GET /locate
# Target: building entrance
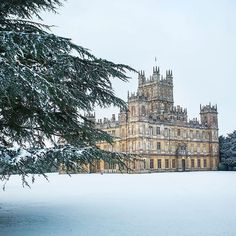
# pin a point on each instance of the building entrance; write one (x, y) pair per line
(183, 165)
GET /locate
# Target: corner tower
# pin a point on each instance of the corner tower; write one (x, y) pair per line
(209, 116)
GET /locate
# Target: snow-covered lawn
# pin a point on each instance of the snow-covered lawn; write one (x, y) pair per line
(176, 204)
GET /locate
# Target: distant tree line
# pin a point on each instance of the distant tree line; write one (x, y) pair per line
(228, 152)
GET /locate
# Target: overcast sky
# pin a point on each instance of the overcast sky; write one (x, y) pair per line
(194, 38)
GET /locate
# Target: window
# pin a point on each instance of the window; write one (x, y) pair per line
(151, 145)
(166, 164)
(159, 163)
(199, 163)
(178, 132)
(123, 147)
(204, 148)
(158, 131)
(203, 135)
(133, 145)
(134, 165)
(192, 148)
(143, 111)
(151, 163)
(205, 163)
(113, 132)
(166, 132)
(173, 149)
(139, 144)
(150, 130)
(133, 129)
(191, 134)
(214, 119)
(133, 111)
(166, 147)
(198, 148)
(123, 132)
(197, 135)
(158, 146)
(173, 163)
(192, 163)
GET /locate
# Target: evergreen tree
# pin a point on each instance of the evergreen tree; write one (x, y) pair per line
(228, 150)
(47, 84)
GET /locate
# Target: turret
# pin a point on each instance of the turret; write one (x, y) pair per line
(209, 115)
(169, 76)
(141, 77)
(156, 73)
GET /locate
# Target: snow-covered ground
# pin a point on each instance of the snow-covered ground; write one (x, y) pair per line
(176, 204)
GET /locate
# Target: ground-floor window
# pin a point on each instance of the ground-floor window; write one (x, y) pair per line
(173, 163)
(205, 163)
(199, 163)
(134, 165)
(159, 163)
(167, 164)
(151, 163)
(192, 163)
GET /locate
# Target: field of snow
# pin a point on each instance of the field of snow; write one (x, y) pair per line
(176, 204)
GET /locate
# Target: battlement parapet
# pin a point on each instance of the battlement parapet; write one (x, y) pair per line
(208, 108)
(178, 110)
(156, 77)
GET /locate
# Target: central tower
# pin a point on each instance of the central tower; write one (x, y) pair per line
(154, 95)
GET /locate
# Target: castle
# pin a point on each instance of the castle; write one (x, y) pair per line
(160, 132)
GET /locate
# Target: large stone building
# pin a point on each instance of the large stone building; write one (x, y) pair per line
(160, 132)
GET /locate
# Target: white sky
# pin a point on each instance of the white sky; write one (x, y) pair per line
(196, 39)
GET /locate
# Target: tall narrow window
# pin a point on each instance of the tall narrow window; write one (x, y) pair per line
(192, 163)
(150, 130)
(205, 163)
(199, 163)
(132, 129)
(133, 145)
(143, 111)
(178, 132)
(133, 111)
(173, 163)
(123, 132)
(166, 164)
(151, 163)
(166, 132)
(191, 134)
(158, 146)
(197, 134)
(159, 163)
(158, 131)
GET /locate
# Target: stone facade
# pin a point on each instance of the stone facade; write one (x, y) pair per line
(160, 132)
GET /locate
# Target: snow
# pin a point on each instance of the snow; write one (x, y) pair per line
(193, 203)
